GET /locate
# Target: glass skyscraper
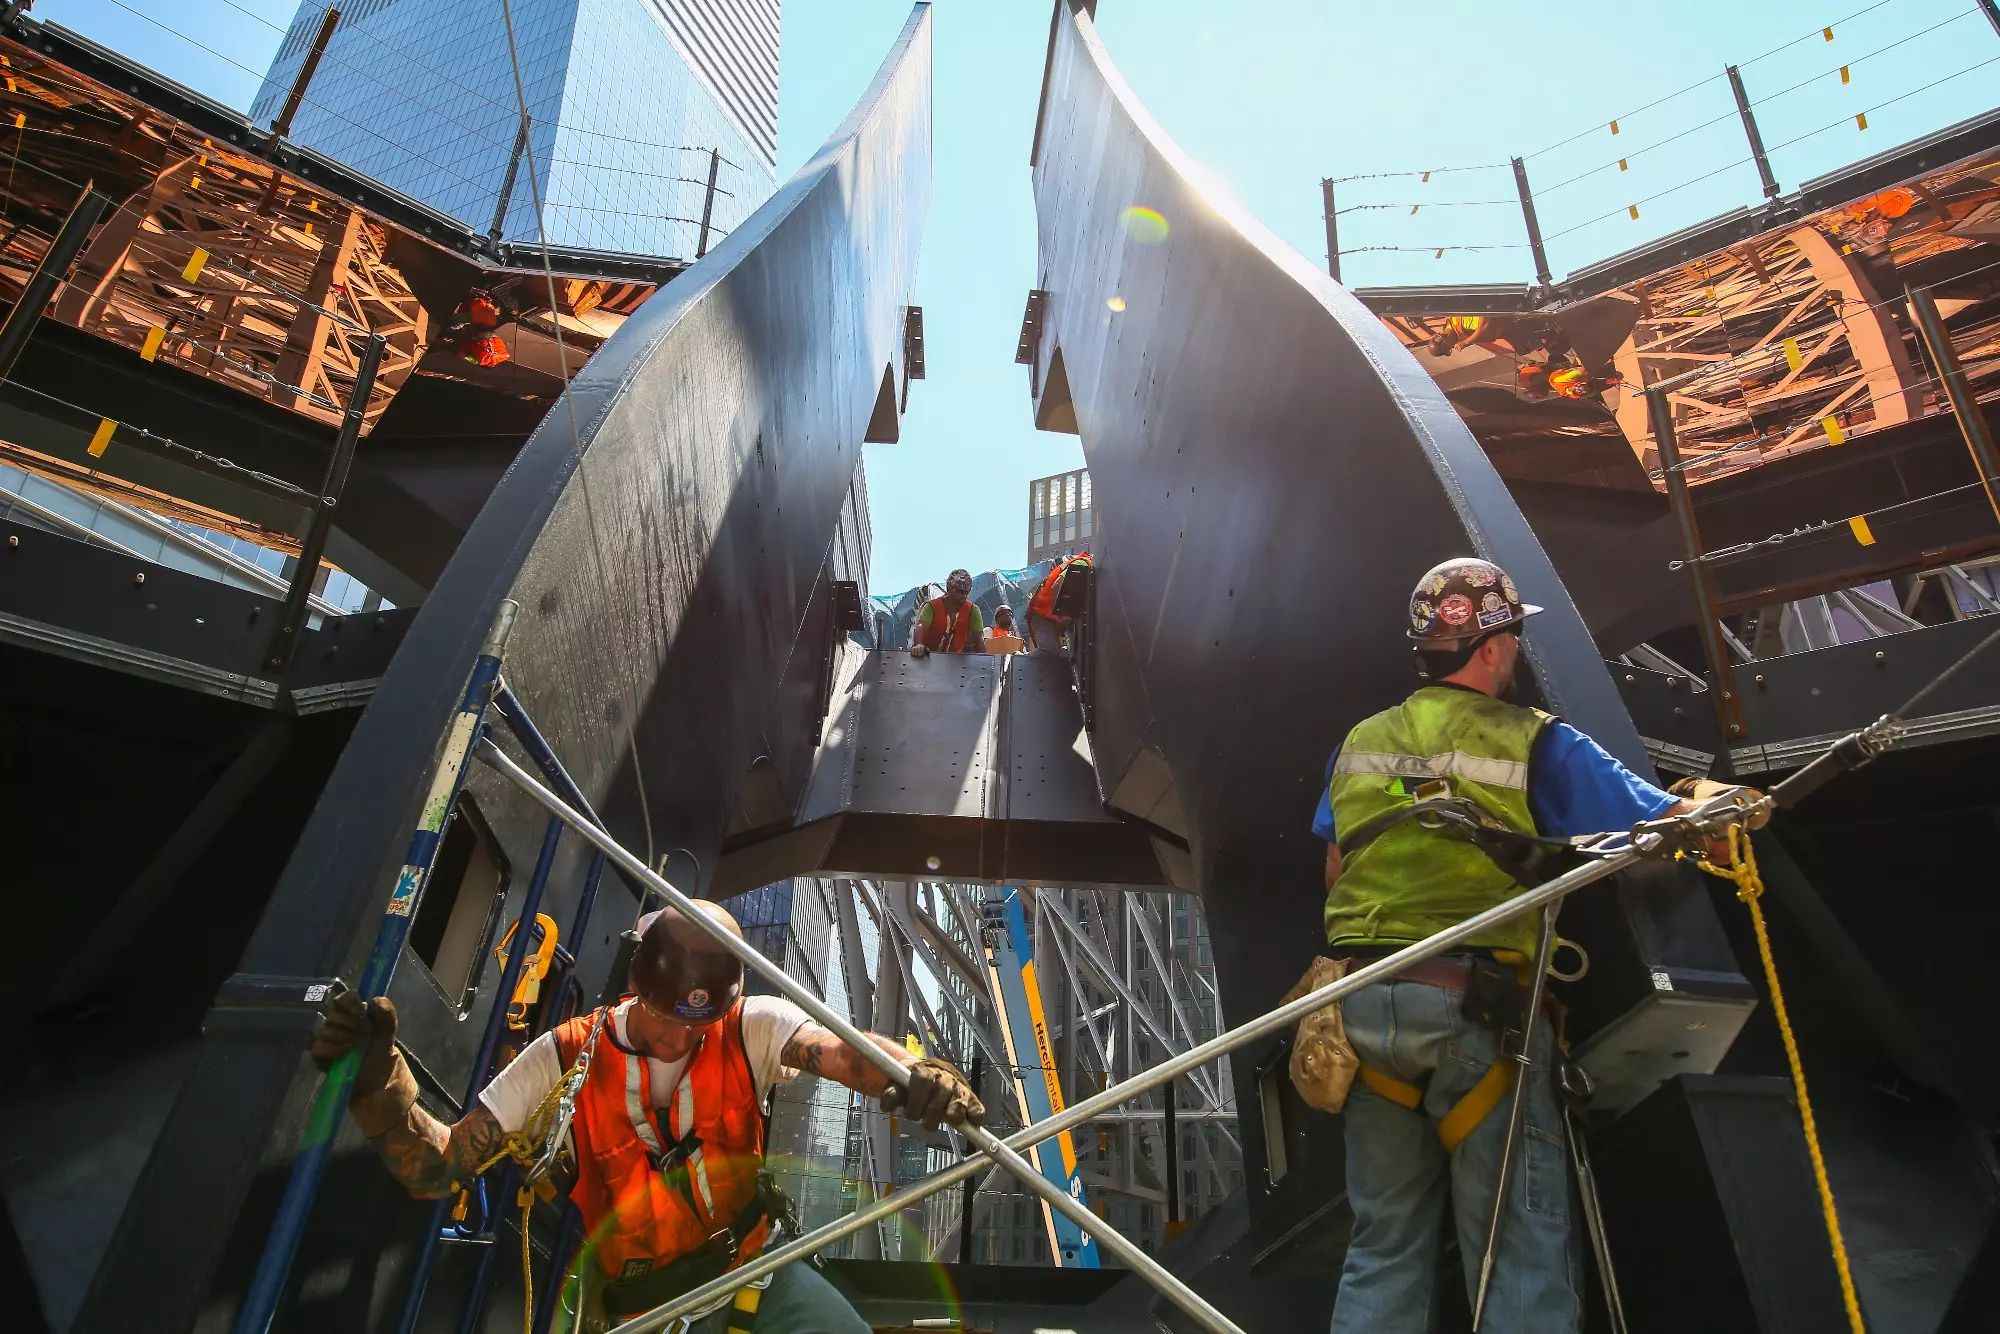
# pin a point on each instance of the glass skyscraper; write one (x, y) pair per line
(626, 98)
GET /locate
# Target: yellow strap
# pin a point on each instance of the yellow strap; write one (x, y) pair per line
(1750, 888)
(747, 1299)
(1465, 1115)
(1406, 1096)
(1478, 1102)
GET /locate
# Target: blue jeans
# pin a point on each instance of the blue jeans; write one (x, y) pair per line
(1398, 1174)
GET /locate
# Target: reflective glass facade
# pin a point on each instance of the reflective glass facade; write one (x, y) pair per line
(1060, 515)
(627, 101)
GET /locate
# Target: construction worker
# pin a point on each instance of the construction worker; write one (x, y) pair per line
(1432, 1044)
(1001, 638)
(667, 1138)
(1046, 629)
(950, 622)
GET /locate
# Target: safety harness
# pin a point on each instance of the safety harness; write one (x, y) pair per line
(1492, 986)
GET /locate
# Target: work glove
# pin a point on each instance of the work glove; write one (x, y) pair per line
(938, 1095)
(1707, 789)
(384, 1088)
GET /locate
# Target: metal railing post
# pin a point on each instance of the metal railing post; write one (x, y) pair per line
(1132, 1256)
(48, 274)
(489, 1042)
(1332, 227)
(292, 619)
(1751, 132)
(708, 202)
(260, 1302)
(1534, 225)
(1964, 403)
(282, 126)
(1721, 666)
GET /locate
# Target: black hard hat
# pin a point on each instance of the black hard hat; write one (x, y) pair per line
(1463, 598)
(680, 971)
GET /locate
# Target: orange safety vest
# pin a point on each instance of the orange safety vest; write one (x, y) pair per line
(946, 633)
(1043, 603)
(1570, 382)
(638, 1216)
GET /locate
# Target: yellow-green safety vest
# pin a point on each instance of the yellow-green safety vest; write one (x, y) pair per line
(1412, 882)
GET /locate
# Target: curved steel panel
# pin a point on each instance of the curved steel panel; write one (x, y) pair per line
(682, 566)
(1273, 472)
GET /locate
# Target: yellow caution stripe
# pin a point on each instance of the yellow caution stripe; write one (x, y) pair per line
(1863, 534)
(151, 347)
(196, 263)
(1860, 120)
(1793, 357)
(101, 440)
(1834, 435)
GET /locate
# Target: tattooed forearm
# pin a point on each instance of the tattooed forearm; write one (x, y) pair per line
(431, 1158)
(815, 1051)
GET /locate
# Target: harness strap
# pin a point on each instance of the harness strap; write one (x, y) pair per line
(1470, 1111)
(1465, 1115)
(743, 1311)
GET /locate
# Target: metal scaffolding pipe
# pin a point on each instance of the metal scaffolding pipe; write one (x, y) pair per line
(1182, 1296)
(1092, 1108)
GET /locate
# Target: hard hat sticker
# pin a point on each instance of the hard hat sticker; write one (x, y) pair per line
(698, 998)
(1456, 609)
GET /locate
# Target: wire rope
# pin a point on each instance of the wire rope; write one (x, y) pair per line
(576, 441)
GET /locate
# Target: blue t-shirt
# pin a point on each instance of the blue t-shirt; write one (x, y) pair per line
(1575, 786)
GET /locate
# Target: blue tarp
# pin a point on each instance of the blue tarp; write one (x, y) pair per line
(890, 617)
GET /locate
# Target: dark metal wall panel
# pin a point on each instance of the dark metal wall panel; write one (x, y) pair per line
(672, 573)
(1273, 472)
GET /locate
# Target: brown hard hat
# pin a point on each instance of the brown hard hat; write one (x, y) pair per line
(1464, 598)
(680, 971)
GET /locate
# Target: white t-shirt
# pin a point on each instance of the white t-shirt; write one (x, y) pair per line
(768, 1024)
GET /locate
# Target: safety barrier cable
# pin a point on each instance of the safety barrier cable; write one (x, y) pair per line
(599, 564)
(1742, 871)
(403, 55)
(108, 425)
(1733, 114)
(1623, 116)
(1702, 83)
(372, 133)
(1796, 139)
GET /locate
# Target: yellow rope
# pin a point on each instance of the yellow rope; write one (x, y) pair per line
(527, 1198)
(525, 1147)
(1750, 888)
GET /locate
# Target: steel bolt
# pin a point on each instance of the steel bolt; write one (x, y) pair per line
(13, 540)
(1673, 681)
(1629, 678)
(1760, 678)
(1880, 656)
(139, 578)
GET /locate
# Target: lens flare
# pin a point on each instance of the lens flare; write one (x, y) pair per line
(1115, 305)
(1144, 224)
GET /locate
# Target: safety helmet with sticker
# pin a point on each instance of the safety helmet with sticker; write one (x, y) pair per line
(1464, 597)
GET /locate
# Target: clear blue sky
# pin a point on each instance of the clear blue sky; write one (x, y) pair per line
(1272, 97)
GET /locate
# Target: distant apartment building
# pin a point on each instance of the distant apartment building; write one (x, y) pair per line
(629, 102)
(1059, 515)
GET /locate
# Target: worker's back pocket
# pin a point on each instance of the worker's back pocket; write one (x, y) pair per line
(1546, 1170)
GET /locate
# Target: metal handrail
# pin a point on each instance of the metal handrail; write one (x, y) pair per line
(1610, 858)
(1204, 1314)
